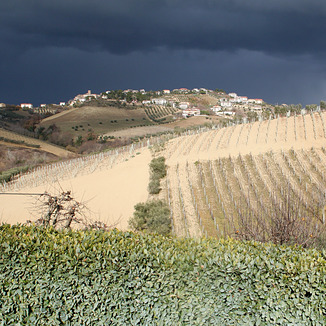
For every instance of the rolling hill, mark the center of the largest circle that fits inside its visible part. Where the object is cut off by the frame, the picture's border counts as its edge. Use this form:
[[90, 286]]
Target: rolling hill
[[217, 176], [100, 120], [221, 178], [14, 139]]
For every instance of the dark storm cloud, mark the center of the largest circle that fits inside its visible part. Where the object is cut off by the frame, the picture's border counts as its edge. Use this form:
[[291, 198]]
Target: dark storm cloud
[[52, 49], [122, 26]]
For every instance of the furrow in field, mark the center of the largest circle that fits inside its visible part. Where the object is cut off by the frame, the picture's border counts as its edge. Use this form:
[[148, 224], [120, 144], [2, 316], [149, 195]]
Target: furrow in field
[[300, 128], [310, 130], [194, 229], [307, 163], [233, 136], [320, 132], [179, 225], [206, 200], [217, 134]]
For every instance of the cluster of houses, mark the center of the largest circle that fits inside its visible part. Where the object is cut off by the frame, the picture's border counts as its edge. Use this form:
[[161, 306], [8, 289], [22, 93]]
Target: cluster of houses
[[226, 104], [235, 101]]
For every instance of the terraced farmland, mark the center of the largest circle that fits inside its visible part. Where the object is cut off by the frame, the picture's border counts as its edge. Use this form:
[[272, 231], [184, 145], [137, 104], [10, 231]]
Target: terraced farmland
[[160, 113], [222, 180]]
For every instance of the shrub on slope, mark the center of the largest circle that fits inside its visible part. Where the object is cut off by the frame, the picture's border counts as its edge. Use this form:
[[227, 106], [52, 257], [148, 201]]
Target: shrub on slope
[[48, 277], [152, 216], [157, 172]]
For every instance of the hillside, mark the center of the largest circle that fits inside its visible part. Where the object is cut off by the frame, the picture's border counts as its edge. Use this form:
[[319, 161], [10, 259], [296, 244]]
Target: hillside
[[263, 181], [100, 278], [112, 117], [109, 184], [100, 120], [215, 178], [12, 138], [20, 153]]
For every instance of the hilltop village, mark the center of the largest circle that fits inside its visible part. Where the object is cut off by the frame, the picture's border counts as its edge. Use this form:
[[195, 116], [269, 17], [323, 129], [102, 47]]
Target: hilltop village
[[184, 102]]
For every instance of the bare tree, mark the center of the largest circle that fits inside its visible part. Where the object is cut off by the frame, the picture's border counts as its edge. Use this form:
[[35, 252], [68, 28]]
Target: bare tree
[[62, 211]]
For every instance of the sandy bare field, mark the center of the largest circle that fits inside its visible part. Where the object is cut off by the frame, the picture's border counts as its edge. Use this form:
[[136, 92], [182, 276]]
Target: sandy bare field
[[110, 194]]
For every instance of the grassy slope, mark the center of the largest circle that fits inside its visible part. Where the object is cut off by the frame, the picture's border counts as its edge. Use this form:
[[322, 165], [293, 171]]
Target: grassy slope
[[89, 117], [130, 279], [99, 119], [43, 146], [13, 156]]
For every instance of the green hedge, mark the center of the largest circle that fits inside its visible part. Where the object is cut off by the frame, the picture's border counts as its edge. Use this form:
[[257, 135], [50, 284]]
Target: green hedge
[[49, 277], [6, 176]]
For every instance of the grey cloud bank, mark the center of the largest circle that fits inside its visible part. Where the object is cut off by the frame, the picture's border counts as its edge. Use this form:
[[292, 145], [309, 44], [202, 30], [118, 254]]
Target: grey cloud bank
[[51, 50]]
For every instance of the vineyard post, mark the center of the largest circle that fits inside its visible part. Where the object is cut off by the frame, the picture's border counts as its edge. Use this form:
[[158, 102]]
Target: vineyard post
[[269, 122], [258, 131], [304, 126], [313, 124], [251, 124], [276, 130]]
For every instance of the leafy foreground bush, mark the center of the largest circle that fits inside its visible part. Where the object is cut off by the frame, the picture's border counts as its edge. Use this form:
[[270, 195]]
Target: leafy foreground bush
[[49, 277]]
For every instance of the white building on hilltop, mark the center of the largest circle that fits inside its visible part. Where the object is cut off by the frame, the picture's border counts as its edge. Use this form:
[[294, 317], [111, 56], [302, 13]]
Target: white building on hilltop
[[226, 104], [255, 100], [26, 106], [225, 113], [159, 101]]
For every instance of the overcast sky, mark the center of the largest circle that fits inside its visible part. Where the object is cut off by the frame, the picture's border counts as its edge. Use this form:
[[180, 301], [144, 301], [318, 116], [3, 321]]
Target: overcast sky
[[51, 50]]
